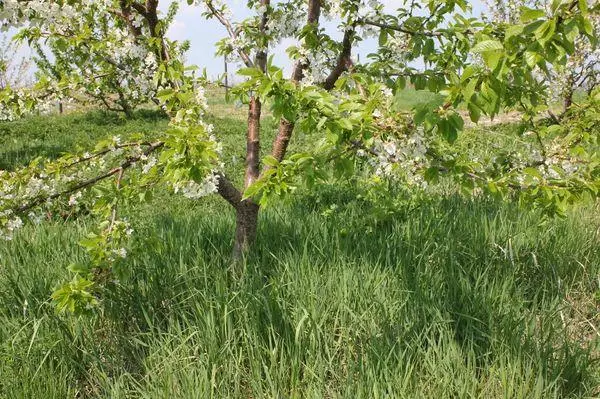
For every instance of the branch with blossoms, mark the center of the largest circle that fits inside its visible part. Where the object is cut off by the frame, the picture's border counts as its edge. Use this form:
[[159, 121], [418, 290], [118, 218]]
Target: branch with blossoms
[[220, 15], [409, 32], [119, 170]]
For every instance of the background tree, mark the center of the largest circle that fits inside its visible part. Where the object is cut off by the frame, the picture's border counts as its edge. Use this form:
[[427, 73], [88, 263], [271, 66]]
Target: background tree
[[111, 64], [582, 70], [347, 102], [14, 67]]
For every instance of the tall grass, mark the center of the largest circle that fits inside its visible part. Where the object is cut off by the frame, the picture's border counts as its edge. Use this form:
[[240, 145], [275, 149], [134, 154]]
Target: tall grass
[[455, 298]]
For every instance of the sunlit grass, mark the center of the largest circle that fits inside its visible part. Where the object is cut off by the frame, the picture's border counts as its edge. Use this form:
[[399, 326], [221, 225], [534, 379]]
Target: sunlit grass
[[455, 298]]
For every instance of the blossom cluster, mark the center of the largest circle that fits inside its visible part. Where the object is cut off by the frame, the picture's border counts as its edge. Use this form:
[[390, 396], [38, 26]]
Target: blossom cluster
[[192, 190], [403, 156], [103, 63]]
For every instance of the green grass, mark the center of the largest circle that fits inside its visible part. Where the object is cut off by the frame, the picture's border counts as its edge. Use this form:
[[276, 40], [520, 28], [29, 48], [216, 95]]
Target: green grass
[[454, 299], [50, 136]]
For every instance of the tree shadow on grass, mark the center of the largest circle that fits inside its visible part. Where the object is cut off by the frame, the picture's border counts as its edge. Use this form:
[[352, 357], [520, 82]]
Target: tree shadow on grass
[[483, 269], [51, 136], [461, 270]]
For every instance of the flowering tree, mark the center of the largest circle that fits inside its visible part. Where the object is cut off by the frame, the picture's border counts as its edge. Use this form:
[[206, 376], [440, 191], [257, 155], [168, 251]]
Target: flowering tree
[[14, 69], [92, 52], [582, 69], [481, 66]]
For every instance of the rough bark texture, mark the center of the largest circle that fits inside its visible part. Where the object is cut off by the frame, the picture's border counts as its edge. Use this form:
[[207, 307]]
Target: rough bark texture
[[344, 61], [246, 223], [253, 142], [284, 134], [149, 11], [227, 190], [135, 31]]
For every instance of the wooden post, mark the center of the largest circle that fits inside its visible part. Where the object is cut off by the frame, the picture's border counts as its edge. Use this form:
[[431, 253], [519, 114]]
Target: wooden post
[[226, 78]]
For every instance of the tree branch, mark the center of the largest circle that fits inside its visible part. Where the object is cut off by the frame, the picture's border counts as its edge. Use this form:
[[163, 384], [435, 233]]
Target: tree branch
[[284, 132], [232, 34], [314, 13], [86, 183], [401, 29], [227, 190], [344, 61]]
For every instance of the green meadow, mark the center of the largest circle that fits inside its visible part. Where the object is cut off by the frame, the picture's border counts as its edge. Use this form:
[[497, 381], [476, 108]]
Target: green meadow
[[449, 297]]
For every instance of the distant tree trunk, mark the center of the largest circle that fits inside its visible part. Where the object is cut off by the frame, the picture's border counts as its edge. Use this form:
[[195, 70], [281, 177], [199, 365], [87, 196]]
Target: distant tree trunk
[[568, 93], [568, 99], [127, 110]]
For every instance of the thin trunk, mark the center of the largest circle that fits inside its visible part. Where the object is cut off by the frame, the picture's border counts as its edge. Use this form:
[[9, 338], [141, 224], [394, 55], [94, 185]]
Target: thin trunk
[[253, 142], [568, 93], [245, 228], [567, 99], [247, 210]]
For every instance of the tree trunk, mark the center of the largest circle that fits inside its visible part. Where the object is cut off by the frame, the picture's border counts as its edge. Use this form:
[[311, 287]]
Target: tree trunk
[[246, 222], [567, 100], [568, 93]]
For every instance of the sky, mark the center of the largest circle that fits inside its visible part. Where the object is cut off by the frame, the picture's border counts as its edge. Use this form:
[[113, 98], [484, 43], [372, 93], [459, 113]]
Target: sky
[[203, 34]]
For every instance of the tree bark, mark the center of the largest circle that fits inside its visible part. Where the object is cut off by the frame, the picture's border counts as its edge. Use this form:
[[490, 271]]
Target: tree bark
[[247, 210], [567, 99], [253, 142], [568, 92], [246, 224]]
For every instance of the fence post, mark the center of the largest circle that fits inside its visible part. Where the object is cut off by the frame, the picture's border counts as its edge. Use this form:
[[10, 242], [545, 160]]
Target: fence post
[[226, 78]]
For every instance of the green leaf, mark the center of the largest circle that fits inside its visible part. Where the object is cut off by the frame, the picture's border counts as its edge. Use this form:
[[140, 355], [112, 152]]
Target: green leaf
[[513, 30], [474, 112], [529, 14], [531, 58], [469, 89], [420, 115], [457, 121], [383, 37], [487, 45], [165, 95], [492, 58], [250, 72], [253, 189], [533, 172], [271, 161], [432, 174], [588, 28], [345, 124]]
